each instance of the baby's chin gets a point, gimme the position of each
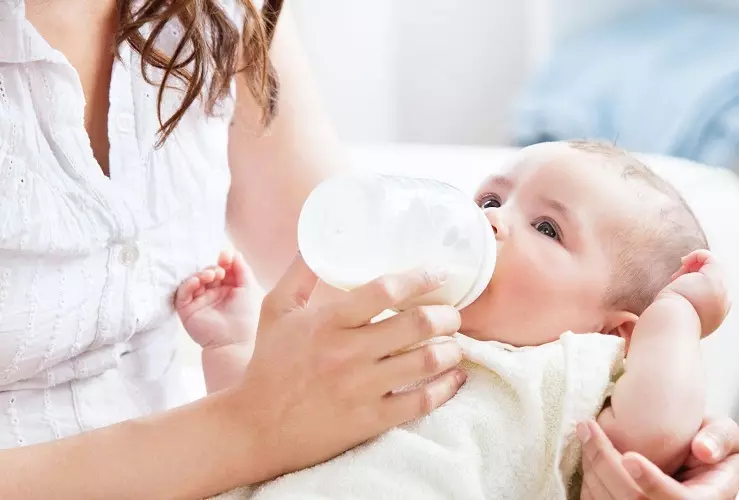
(480, 330)
(490, 319)
(508, 331)
(481, 335)
(512, 337)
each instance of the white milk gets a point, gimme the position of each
(355, 228)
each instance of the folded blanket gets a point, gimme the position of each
(662, 81)
(508, 434)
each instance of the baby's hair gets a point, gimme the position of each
(648, 252)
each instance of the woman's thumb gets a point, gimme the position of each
(717, 440)
(294, 288)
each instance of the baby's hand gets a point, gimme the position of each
(220, 305)
(700, 281)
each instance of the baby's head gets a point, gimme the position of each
(587, 237)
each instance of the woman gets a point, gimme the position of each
(114, 185)
(104, 210)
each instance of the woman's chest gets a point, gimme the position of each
(87, 260)
(54, 195)
(84, 33)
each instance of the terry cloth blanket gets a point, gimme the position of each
(508, 434)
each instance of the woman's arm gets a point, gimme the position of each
(318, 384)
(190, 452)
(273, 174)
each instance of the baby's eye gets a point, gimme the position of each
(547, 229)
(489, 201)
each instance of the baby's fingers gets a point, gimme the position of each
(210, 277)
(681, 272)
(186, 292)
(700, 261)
(711, 268)
(225, 259)
(239, 274)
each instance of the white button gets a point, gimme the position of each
(129, 254)
(125, 122)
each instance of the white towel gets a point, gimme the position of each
(508, 434)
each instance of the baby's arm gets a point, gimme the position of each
(658, 405)
(219, 308)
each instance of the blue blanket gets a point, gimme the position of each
(664, 81)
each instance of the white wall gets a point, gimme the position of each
(351, 47)
(416, 70)
(439, 71)
(459, 65)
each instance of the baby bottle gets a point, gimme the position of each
(357, 227)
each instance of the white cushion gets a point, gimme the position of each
(712, 193)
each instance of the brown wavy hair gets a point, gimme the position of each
(208, 55)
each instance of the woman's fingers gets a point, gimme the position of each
(420, 364)
(594, 489)
(726, 482)
(412, 404)
(634, 477)
(586, 494)
(716, 440)
(719, 482)
(359, 306)
(602, 463)
(654, 483)
(409, 328)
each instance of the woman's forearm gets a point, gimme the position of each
(190, 453)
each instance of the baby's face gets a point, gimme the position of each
(553, 211)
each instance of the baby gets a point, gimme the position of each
(590, 241)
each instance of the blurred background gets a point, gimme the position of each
(655, 76)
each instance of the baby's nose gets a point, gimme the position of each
(497, 223)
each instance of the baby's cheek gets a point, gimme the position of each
(525, 279)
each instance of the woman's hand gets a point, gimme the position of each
(710, 473)
(322, 377)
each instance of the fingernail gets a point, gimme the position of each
(461, 376)
(583, 433)
(633, 468)
(711, 445)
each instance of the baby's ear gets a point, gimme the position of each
(621, 324)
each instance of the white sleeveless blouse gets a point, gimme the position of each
(88, 264)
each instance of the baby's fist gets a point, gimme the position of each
(700, 281)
